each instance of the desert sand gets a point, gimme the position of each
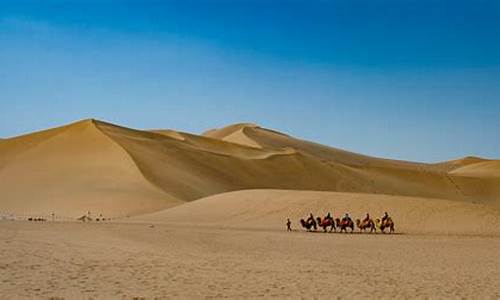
(204, 216)
(115, 260)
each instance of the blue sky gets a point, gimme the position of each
(412, 80)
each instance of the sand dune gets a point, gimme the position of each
(71, 170)
(118, 171)
(374, 175)
(269, 209)
(235, 134)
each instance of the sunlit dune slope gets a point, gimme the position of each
(485, 169)
(235, 134)
(117, 171)
(270, 209)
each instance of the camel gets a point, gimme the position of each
(388, 223)
(308, 225)
(344, 224)
(365, 224)
(326, 222)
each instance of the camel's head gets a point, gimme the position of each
(358, 221)
(377, 221)
(318, 219)
(302, 222)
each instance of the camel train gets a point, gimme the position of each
(328, 223)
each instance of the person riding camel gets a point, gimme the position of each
(385, 217)
(310, 219)
(329, 216)
(346, 218)
(367, 218)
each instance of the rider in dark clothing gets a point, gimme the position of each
(328, 217)
(367, 217)
(385, 217)
(311, 218)
(346, 218)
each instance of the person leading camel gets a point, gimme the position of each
(288, 225)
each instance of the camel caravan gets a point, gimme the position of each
(328, 223)
(87, 218)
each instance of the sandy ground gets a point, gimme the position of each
(77, 260)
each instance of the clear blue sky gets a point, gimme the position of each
(413, 80)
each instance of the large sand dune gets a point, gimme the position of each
(117, 171)
(71, 170)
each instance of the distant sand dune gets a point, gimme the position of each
(235, 134)
(485, 169)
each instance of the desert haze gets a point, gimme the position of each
(204, 216)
